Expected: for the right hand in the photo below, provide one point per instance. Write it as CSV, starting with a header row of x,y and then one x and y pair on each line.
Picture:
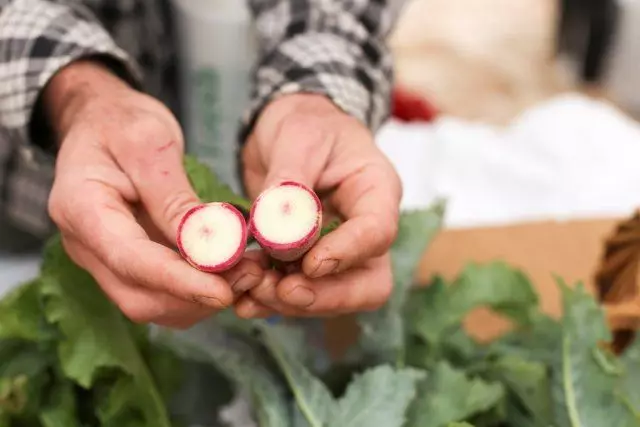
x,y
119,193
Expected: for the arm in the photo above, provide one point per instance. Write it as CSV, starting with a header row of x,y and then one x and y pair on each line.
x,y
335,48
327,63
37,39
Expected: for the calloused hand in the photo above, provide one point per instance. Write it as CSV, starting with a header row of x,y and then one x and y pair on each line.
x,y
306,138
119,193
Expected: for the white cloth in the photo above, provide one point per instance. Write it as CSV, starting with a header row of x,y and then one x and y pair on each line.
x,y
570,157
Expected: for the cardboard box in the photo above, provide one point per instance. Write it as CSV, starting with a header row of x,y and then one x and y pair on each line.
x,y
570,249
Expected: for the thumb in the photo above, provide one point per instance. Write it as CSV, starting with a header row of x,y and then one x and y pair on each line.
x,y
278,174
162,184
296,156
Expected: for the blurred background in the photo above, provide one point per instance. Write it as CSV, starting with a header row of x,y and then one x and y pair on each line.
x,y
490,59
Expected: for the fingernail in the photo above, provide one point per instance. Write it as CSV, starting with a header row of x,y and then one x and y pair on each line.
x,y
209,302
245,282
300,297
327,266
249,309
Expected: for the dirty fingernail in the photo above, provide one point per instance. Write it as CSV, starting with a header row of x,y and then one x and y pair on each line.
x,y
246,282
265,291
250,309
246,309
300,297
325,267
209,301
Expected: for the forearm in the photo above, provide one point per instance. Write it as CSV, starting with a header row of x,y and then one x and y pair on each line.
x,y
334,48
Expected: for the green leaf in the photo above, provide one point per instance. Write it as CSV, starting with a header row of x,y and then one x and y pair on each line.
x,y
631,379
203,396
21,314
536,342
166,369
435,313
115,406
448,395
585,389
241,361
529,387
382,331
436,310
60,410
209,187
24,373
459,425
97,337
313,398
497,285
378,397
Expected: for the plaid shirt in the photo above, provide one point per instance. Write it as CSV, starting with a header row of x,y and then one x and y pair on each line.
x,y
332,47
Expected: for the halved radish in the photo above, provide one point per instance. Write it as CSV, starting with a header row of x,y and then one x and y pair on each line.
x,y
212,237
286,220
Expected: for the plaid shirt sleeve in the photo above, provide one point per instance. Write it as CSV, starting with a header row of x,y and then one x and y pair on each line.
x,y
38,38
333,47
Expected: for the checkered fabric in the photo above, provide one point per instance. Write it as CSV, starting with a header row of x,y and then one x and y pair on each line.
x,y
332,47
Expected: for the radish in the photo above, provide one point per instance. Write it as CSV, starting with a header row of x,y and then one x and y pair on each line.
x,y
212,237
286,220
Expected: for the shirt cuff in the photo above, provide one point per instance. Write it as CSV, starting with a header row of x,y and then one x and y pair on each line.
x,y
357,80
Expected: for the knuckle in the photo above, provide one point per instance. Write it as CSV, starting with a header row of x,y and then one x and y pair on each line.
x,y
379,298
152,134
305,126
54,208
390,232
135,312
265,291
176,204
69,210
145,129
57,206
111,256
375,235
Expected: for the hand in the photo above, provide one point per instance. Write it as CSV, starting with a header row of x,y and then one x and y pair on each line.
x,y
119,193
306,138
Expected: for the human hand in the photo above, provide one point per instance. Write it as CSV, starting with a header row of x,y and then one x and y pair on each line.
x,y
119,193
306,138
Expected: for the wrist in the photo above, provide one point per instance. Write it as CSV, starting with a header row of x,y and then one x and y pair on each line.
x,y
75,86
300,103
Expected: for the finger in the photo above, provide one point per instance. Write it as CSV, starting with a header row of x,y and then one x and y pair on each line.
x,y
265,293
246,275
359,289
288,157
137,304
154,164
102,223
248,308
370,200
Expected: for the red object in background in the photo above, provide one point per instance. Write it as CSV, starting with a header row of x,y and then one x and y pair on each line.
x,y
409,107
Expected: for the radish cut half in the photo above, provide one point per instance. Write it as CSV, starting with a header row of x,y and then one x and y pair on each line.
x,y
212,237
286,220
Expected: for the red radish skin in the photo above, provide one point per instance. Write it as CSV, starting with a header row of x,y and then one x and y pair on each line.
x,y
286,220
212,237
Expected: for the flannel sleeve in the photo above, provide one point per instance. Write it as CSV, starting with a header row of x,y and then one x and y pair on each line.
x,y
332,47
38,38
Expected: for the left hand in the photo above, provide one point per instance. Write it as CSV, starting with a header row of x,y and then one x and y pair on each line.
x,y
306,138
